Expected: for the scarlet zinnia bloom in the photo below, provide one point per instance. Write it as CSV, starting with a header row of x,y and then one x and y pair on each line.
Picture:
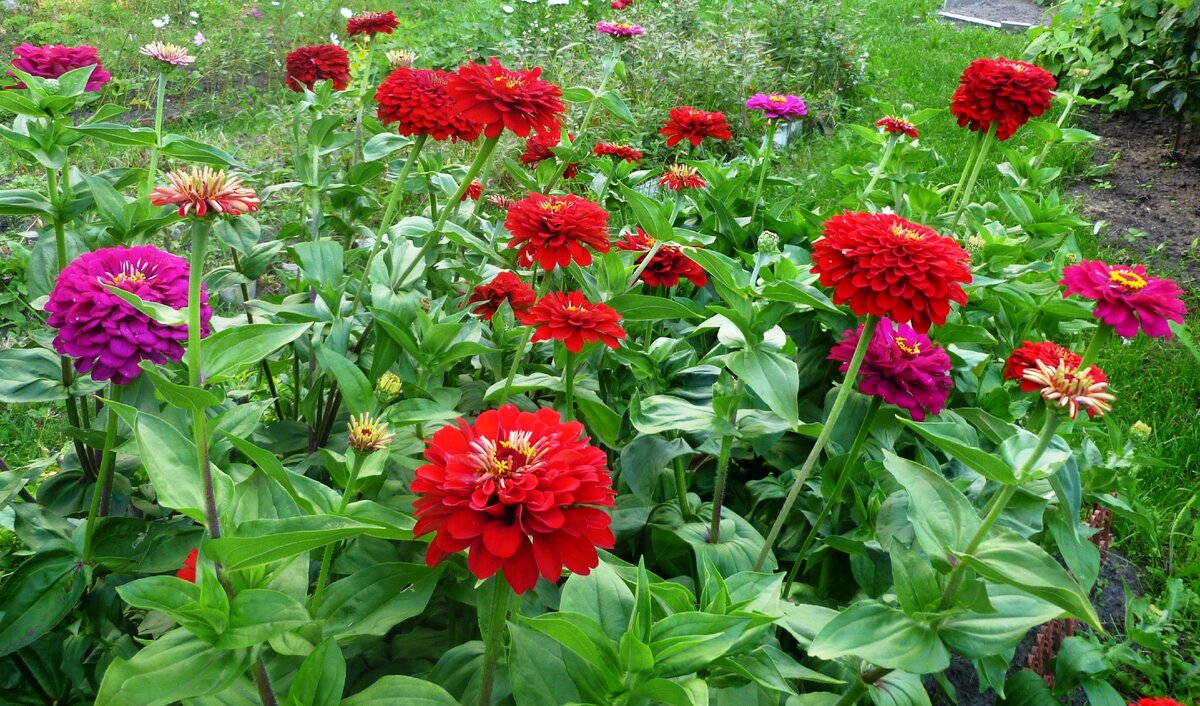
x,y
621,4
1126,297
887,266
498,98
669,264
520,491
203,190
1069,389
692,124
620,30
569,317
504,287
901,367
54,60
1156,701
172,54
682,176
372,23
539,148
323,62
1028,355
474,191
777,106
552,230
625,152
106,335
188,572
416,101
1001,91
897,126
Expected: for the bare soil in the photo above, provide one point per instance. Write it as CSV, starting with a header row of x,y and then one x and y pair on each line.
x,y
1023,11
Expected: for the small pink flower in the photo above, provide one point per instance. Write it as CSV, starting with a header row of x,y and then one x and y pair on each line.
x,y
777,106
620,30
1126,297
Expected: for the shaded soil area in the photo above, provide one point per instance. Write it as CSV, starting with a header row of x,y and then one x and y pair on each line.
x,y
1023,11
1149,197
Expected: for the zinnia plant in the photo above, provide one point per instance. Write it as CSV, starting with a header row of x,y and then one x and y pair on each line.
x,y
500,98
485,300
693,125
1127,298
539,148
775,107
901,367
372,23
661,265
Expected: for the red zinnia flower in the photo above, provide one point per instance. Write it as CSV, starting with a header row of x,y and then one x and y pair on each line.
x,y
692,124
682,176
204,191
1126,297
608,149
498,98
504,287
897,126
669,264
520,491
539,148
323,62
569,317
1156,701
621,4
54,60
553,230
1001,91
416,101
188,572
474,191
1028,355
372,23
887,266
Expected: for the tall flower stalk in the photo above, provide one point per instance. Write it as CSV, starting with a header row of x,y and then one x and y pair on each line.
x,y
581,134
201,229
103,486
764,165
496,626
159,98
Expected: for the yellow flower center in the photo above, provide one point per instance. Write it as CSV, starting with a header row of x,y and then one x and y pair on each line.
x,y
131,273
508,81
901,232
778,99
907,347
1128,280
553,206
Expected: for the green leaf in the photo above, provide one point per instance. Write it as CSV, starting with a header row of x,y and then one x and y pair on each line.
x,y
537,670
181,396
1017,450
23,202
186,149
118,134
321,262
941,515
799,293
321,678
14,102
882,636
642,307
401,691
257,615
1027,688
602,596
178,599
974,634
773,377
663,691
226,353
949,437
615,105
30,375
264,541
310,495
645,459
899,689
916,582
688,642
659,413
174,667
356,389
241,233
383,144
373,600
582,636
161,313
647,212
41,592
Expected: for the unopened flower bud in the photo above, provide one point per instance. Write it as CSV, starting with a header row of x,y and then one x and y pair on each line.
x,y
1071,258
1141,430
975,243
907,108
768,242
1081,73
52,86
389,384
368,434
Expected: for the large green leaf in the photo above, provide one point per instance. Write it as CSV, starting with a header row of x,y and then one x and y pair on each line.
x,y
312,496
263,541
882,636
373,600
773,377
975,634
659,413
257,615
950,437
226,353
602,596
941,515
321,678
537,670
41,592
642,307
687,642
355,387
174,667
30,375
401,691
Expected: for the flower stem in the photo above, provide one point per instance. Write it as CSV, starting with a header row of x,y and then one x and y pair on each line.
x,y
714,532
1062,119
327,557
839,403
104,480
587,118
497,613
985,145
520,354
314,209
681,488
200,233
152,170
887,155
1099,340
569,387
637,272
835,497
962,178
612,174
263,681
762,174
362,100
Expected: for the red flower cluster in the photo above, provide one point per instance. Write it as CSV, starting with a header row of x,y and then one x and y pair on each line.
x,y
625,152
504,287
520,491
552,230
669,264
1028,355
416,101
54,60
540,147
323,62
372,23
1002,92
499,98
188,572
569,317
692,124
474,191
897,126
887,266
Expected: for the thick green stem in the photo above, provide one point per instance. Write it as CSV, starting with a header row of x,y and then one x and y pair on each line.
x,y
1062,119
520,354
681,488
612,174
327,558
152,170
966,171
200,233
103,484
1099,340
839,403
887,155
763,167
362,99
314,209
985,146
494,640
714,531
587,119
263,682
569,386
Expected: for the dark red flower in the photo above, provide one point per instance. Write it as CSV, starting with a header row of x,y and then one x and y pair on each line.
x,y
520,491
625,152
552,230
499,98
54,60
372,23
1028,355
897,126
323,62
682,176
504,287
621,4
416,102
188,572
692,124
539,148
669,264
569,317
1156,701
474,191
1001,91
887,266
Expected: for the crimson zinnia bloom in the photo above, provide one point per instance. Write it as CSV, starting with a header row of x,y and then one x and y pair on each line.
x,y
323,62
205,190
188,572
569,317
682,176
416,102
669,264
887,266
54,60
520,491
499,98
625,152
540,147
474,191
1028,355
897,126
504,287
692,124
1001,91
1126,297
106,335
553,230
621,4
1156,701
901,367
372,23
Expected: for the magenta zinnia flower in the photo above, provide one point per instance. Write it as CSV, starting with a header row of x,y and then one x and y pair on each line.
x,y
901,367
54,60
620,30
107,336
776,106
1126,298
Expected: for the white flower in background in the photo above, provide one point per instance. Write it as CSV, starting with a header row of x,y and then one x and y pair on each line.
x,y
199,39
275,3
347,12
333,39
194,15
299,14
531,1
556,2
160,22
508,9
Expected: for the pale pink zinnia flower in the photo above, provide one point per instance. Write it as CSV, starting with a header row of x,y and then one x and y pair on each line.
x,y
172,54
199,39
203,190
1070,389
1126,297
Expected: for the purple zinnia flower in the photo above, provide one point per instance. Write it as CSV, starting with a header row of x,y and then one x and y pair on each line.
x,y
777,106
620,30
106,335
1127,298
54,60
902,367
